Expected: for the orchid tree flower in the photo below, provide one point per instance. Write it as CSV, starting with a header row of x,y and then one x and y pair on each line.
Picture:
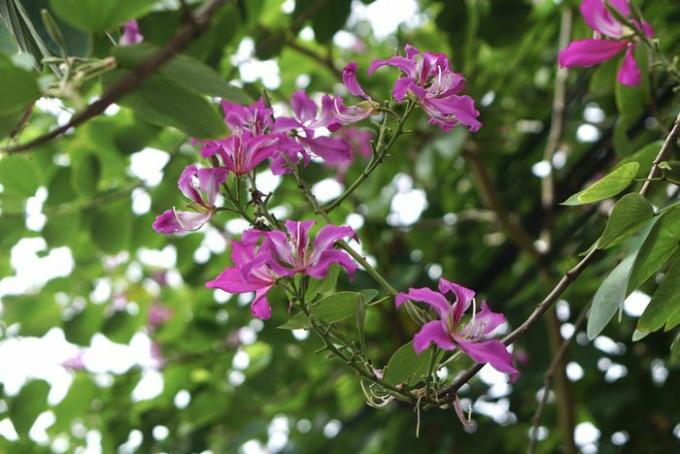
x,y
201,186
301,133
241,153
256,118
347,115
293,252
360,145
250,273
428,78
449,333
611,37
131,34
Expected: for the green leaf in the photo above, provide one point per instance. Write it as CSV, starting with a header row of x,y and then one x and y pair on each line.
x,y
645,157
333,308
183,70
610,296
25,407
76,403
162,102
607,187
86,172
675,349
660,245
664,304
99,15
36,314
325,285
630,213
111,226
18,176
631,100
405,366
18,87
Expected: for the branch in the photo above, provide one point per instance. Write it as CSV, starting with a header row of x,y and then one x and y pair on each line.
x,y
185,35
566,280
324,60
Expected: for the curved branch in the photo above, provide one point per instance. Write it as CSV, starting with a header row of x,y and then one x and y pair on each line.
x,y
185,35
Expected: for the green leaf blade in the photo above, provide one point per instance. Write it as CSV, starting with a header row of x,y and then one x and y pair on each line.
x,y
609,186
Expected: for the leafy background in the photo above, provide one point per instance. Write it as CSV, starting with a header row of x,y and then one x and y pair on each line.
x,y
83,272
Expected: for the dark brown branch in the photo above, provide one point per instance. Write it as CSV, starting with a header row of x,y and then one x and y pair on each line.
x,y
185,35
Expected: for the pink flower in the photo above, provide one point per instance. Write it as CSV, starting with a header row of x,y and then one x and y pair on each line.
x,y
347,115
360,145
448,333
301,133
256,118
428,78
201,186
292,252
131,34
611,38
250,273
261,258
241,153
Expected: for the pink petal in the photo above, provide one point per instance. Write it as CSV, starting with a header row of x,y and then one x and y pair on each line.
x,y
492,352
329,234
209,181
319,269
231,280
131,34
186,184
192,220
260,307
485,321
424,295
629,73
305,109
598,18
433,332
166,223
330,149
463,295
404,64
349,77
589,52
401,87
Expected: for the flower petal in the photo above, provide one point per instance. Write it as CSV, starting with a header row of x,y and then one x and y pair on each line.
x,y
305,109
401,87
260,307
330,149
209,180
485,321
185,183
231,280
192,220
424,295
589,52
319,268
598,18
329,234
166,223
407,66
433,332
349,77
463,295
629,73
492,352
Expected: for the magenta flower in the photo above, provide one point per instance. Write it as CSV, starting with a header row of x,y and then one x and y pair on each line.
x,y
301,132
158,314
256,118
261,258
201,186
293,253
131,34
360,145
448,333
241,153
250,273
347,115
611,38
428,78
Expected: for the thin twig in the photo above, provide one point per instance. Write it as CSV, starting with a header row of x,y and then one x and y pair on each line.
x,y
566,280
185,35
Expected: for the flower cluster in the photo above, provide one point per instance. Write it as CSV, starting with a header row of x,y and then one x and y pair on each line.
x,y
448,332
262,258
611,37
